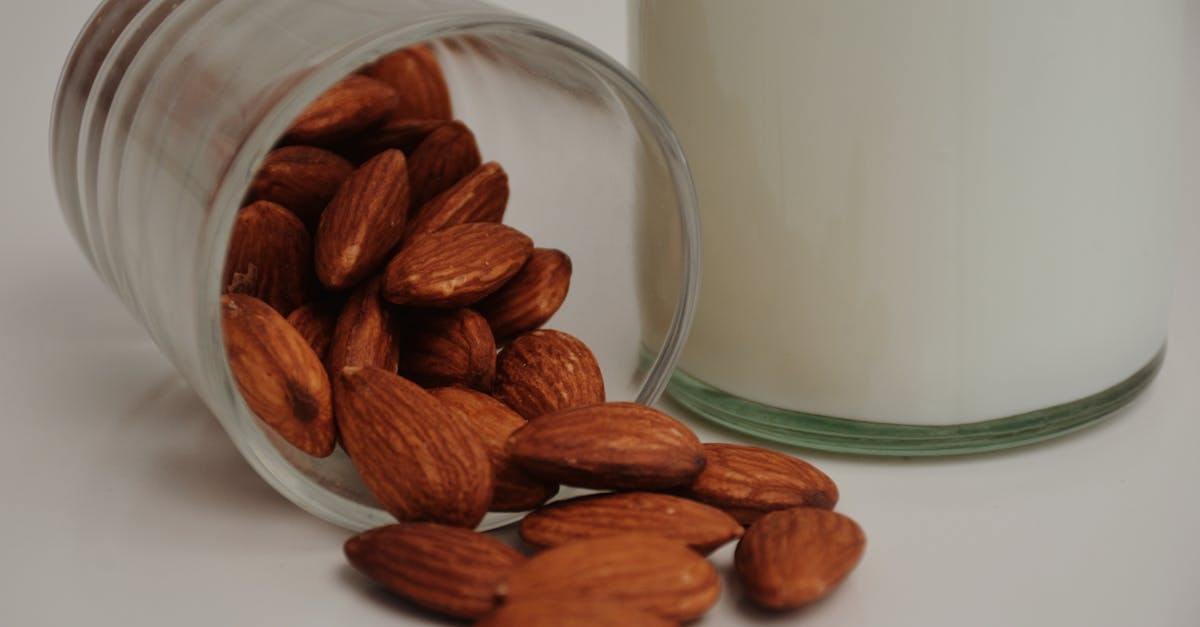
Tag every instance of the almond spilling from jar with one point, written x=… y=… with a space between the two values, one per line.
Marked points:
x=647 y=572
x=793 y=557
x=546 y=371
x=449 y=570
x=280 y=377
x=617 y=446
x=749 y=481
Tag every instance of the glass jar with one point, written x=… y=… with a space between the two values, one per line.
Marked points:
x=166 y=109
x=930 y=227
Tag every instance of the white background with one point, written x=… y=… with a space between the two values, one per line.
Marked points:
x=124 y=503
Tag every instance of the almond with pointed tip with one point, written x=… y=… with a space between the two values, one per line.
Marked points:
x=364 y=222
x=749 y=481
x=481 y=196
x=419 y=460
x=494 y=422
x=417 y=77
x=457 y=266
x=545 y=371
x=449 y=570
x=280 y=377
x=790 y=558
x=648 y=572
x=532 y=297
x=302 y=179
x=270 y=257
x=353 y=105
x=447 y=155
x=366 y=333
x=702 y=527
x=611 y=446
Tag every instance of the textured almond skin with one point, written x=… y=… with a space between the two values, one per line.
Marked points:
x=793 y=557
x=575 y=613
x=457 y=266
x=481 y=196
x=494 y=422
x=546 y=371
x=445 y=157
x=280 y=377
x=353 y=105
x=270 y=257
x=647 y=572
x=702 y=527
x=403 y=134
x=417 y=77
x=749 y=481
x=416 y=457
x=611 y=446
x=448 y=347
x=365 y=334
x=364 y=221
x=532 y=297
x=445 y=569
x=302 y=179
x=316 y=322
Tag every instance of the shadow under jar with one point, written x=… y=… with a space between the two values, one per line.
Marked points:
x=166 y=109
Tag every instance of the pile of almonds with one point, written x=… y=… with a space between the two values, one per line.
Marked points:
x=369 y=284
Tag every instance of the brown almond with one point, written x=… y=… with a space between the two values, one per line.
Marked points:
x=280 y=377
x=353 y=105
x=532 y=297
x=647 y=572
x=448 y=347
x=481 y=196
x=749 y=481
x=494 y=422
x=793 y=557
x=447 y=155
x=545 y=371
x=575 y=613
x=702 y=527
x=316 y=322
x=270 y=257
x=457 y=266
x=417 y=458
x=611 y=446
x=445 y=569
x=364 y=221
x=302 y=179
x=403 y=134
x=366 y=333
x=416 y=75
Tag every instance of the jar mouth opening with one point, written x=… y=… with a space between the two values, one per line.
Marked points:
x=263 y=450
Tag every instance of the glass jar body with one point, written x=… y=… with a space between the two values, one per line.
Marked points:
x=166 y=109
x=930 y=227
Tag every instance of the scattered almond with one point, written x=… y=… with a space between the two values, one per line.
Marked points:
x=302 y=179
x=448 y=347
x=545 y=371
x=270 y=257
x=353 y=105
x=749 y=481
x=457 y=266
x=532 y=297
x=793 y=557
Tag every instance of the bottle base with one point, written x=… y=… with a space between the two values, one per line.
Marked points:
x=842 y=435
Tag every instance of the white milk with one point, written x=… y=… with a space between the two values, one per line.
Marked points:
x=926 y=212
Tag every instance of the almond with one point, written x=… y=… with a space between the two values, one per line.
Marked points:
x=416 y=75
x=444 y=158
x=270 y=257
x=749 y=481
x=532 y=297
x=702 y=527
x=280 y=377
x=416 y=457
x=546 y=371
x=445 y=569
x=618 y=446
x=301 y=178
x=575 y=613
x=403 y=134
x=364 y=221
x=353 y=105
x=481 y=196
x=494 y=422
x=316 y=322
x=457 y=266
x=793 y=557
x=647 y=572
x=448 y=347
x=365 y=334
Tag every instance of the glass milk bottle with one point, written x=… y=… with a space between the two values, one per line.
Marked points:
x=930 y=226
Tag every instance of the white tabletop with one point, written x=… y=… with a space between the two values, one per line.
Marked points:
x=125 y=504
